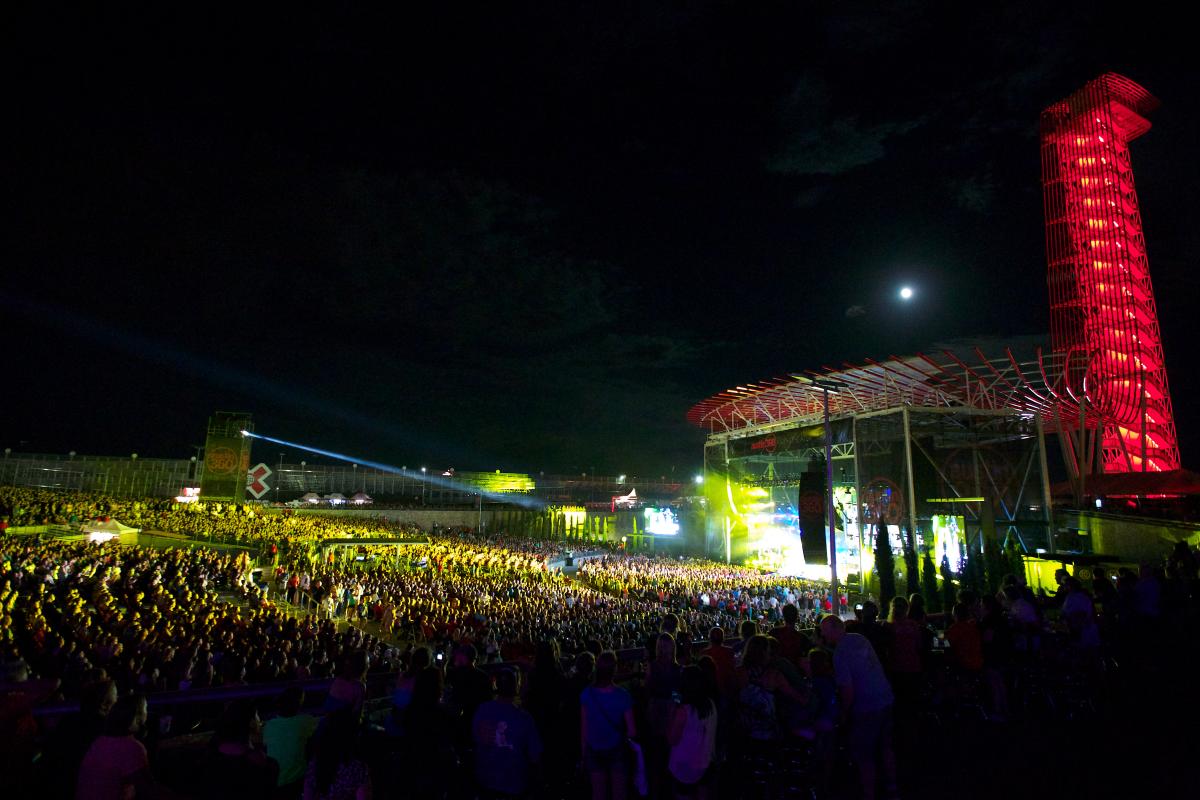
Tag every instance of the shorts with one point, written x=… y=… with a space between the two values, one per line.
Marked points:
x=868 y=733
x=614 y=759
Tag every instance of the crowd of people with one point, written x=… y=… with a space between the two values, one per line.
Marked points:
x=508 y=678
x=682 y=583
x=241 y=524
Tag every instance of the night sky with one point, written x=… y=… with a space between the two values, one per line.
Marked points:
x=530 y=237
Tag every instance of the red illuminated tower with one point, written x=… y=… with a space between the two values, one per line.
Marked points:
x=1101 y=301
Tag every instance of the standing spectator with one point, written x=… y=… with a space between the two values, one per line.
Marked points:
x=723 y=658
x=865 y=703
x=116 y=766
x=507 y=745
x=606 y=723
x=1079 y=613
x=238 y=766
x=692 y=737
x=349 y=688
x=867 y=623
x=758 y=684
x=793 y=645
x=428 y=737
x=75 y=735
x=286 y=737
x=468 y=687
x=579 y=679
x=335 y=772
x=966 y=642
x=545 y=694
x=907 y=658
x=662 y=687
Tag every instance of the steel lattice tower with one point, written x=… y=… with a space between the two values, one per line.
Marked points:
x=1101 y=300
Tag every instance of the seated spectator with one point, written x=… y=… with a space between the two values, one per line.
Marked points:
x=286 y=737
x=507 y=744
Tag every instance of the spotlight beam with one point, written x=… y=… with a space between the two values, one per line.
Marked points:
x=433 y=480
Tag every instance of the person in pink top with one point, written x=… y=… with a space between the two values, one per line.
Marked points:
x=116 y=766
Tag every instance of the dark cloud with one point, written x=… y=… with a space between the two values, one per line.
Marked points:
x=817 y=142
x=855 y=311
x=976 y=193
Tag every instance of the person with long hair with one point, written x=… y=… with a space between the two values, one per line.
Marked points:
x=418 y=660
x=335 y=772
x=580 y=677
x=428 y=737
x=692 y=736
x=662 y=688
x=544 y=696
x=758 y=683
x=606 y=724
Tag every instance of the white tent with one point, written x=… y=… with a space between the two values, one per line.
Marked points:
x=335 y=499
x=311 y=497
x=361 y=499
x=108 y=530
x=626 y=500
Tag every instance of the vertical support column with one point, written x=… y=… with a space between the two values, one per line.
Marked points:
x=1041 y=439
x=912 y=492
x=835 y=594
x=862 y=584
x=728 y=522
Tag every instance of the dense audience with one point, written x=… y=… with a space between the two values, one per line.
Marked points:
x=230 y=523
x=507 y=678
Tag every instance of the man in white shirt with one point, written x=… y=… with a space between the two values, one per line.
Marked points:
x=865 y=702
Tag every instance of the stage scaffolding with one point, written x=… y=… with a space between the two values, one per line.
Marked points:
x=922 y=443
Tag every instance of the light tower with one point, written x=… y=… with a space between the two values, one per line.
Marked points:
x=1101 y=300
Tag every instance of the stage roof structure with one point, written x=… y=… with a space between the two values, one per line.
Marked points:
x=1043 y=384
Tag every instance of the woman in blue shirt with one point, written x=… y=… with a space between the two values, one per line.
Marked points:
x=606 y=712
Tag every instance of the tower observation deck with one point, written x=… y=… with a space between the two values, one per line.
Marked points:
x=1101 y=299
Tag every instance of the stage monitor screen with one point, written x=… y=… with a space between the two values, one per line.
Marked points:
x=947 y=532
x=661 y=521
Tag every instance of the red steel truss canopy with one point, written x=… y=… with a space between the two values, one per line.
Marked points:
x=1101 y=299
x=1039 y=386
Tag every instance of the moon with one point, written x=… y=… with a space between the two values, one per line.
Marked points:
x=906 y=293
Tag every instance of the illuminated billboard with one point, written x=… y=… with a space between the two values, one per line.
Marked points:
x=947 y=533
x=661 y=521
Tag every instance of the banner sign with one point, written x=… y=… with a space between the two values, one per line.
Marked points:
x=256 y=481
